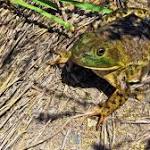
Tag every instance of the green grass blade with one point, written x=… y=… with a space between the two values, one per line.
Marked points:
x=58 y=20
x=46 y=3
x=89 y=6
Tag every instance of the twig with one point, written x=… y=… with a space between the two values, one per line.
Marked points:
x=113 y=131
x=7 y=118
x=64 y=141
x=40 y=132
x=12 y=129
x=136 y=122
x=5 y=84
x=143 y=137
x=109 y=135
x=13 y=47
x=4 y=109
x=21 y=132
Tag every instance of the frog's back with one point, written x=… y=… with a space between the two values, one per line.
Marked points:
x=131 y=35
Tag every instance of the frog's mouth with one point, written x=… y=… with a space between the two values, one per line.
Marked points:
x=96 y=64
x=102 y=69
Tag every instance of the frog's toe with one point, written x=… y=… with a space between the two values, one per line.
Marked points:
x=101 y=114
x=100 y=121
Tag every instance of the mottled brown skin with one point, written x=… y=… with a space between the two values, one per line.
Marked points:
x=119 y=53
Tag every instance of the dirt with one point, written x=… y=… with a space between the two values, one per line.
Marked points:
x=38 y=101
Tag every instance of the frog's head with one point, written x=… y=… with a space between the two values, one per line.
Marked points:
x=97 y=52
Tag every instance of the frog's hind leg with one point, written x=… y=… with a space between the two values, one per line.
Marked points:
x=116 y=99
x=113 y=103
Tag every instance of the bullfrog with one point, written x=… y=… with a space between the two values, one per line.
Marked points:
x=118 y=52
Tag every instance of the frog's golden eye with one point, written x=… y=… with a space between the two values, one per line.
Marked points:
x=100 y=51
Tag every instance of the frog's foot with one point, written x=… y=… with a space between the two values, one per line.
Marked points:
x=104 y=110
x=62 y=58
x=100 y=112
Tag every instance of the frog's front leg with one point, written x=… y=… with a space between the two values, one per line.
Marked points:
x=62 y=58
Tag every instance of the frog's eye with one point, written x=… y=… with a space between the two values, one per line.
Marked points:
x=100 y=51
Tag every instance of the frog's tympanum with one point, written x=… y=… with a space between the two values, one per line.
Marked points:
x=118 y=52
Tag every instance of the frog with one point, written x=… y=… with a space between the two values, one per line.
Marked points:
x=119 y=53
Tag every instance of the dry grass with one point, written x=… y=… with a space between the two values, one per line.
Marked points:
x=38 y=101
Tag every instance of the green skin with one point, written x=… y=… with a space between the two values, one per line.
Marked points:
x=119 y=61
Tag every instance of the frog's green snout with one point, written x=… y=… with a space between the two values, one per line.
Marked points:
x=97 y=59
